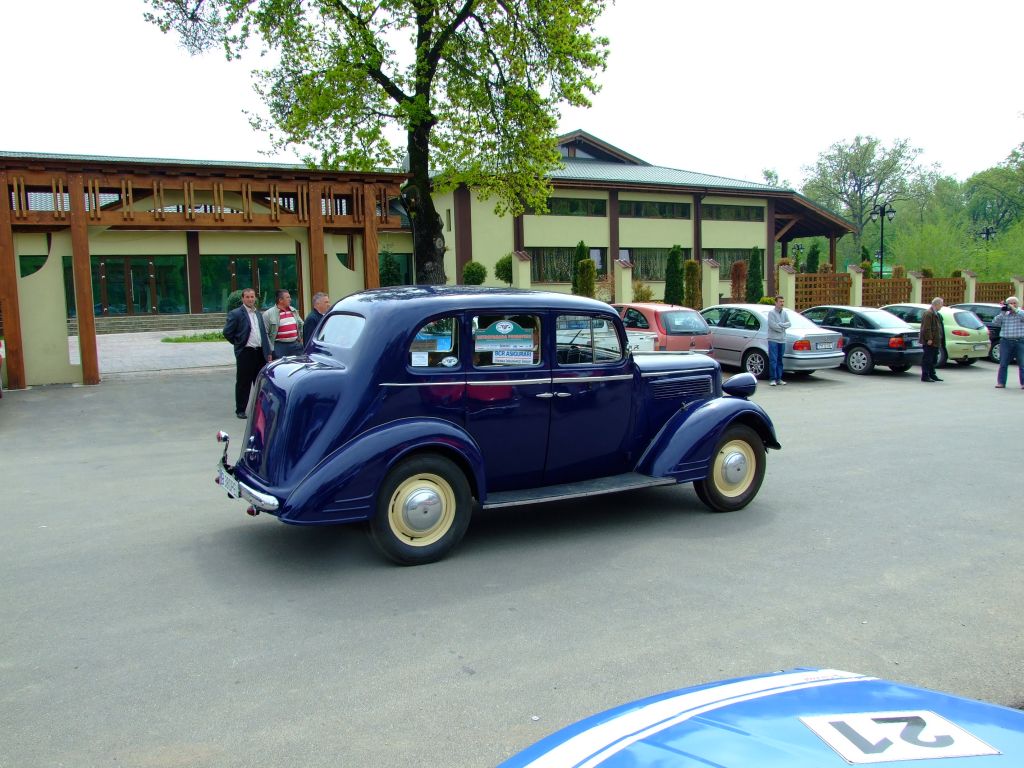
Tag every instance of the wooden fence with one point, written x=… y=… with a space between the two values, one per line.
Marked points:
x=994 y=292
x=821 y=288
x=953 y=290
x=878 y=293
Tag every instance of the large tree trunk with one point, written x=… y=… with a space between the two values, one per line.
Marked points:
x=427 y=229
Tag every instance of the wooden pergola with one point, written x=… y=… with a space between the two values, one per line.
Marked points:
x=50 y=193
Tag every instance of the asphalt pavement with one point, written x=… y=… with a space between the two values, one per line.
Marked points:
x=149 y=622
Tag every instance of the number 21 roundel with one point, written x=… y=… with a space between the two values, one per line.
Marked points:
x=879 y=737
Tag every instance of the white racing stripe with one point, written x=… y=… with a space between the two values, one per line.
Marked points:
x=593 y=746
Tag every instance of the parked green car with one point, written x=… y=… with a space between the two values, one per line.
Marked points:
x=966 y=336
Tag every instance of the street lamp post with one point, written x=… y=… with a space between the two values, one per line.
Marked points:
x=883 y=212
x=987 y=233
x=797 y=250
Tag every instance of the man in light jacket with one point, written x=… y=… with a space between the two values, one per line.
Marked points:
x=778 y=322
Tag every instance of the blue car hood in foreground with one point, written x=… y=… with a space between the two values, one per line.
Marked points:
x=805 y=718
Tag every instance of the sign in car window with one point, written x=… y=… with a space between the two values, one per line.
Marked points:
x=436 y=344
x=506 y=340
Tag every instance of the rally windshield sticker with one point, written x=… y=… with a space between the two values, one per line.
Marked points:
x=501 y=336
x=881 y=737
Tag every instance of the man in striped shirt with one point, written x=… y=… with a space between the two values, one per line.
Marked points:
x=284 y=326
x=1011 y=340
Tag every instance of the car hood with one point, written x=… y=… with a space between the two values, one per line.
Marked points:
x=823 y=718
x=668 y=362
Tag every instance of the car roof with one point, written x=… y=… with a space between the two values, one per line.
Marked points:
x=966 y=304
x=654 y=306
x=751 y=307
x=429 y=299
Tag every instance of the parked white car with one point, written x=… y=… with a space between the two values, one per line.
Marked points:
x=740 y=336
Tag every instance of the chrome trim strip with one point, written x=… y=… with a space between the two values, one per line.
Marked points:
x=423 y=384
x=262 y=501
x=506 y=382
x=655 y=374
x=584 y=379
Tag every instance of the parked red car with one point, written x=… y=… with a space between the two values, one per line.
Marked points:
x=679 y=329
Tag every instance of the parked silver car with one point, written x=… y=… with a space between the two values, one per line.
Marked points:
x=740 y=335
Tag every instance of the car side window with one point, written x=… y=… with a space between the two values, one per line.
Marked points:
x=712 y=316
x=506 y=339
x=815 y=315
x=586 y=339
x=634 y=319
x=740 y=318
x=436 y=344
x=845 y=318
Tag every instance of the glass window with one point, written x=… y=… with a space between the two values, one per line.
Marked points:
x=712 y=316
x=436 y=344
x=726 y=257
x=586 y=340
x=554 y=264
x=634 y=319
x=648 y=209
x=576 y=206
x=29 y=265
x=506 y=340
x=713 y=212
x=215 y=280
x=816 y=315
x=683 y=323
x=650 y=263
x=968 y=320
x=341 y=330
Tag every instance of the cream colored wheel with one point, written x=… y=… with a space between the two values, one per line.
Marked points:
x=423 y=510
x=736 y=470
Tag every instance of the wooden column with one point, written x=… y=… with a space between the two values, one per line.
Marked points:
x=613 y=228
x=15 y=353
x=769 y=238
x=832 y=251
x=463 y=230
x=371 y=257
x=317 y=257
x=83 y=281
x=195 y=273
x=698 y=215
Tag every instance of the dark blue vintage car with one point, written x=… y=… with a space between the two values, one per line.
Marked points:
x=412 y=405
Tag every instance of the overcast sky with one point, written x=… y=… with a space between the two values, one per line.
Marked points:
x=727 y=88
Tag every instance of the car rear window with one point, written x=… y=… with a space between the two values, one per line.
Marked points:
x=341 y=330
x=967 y=319
x=683 y=323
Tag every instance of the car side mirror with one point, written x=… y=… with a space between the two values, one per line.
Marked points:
x=741 y=385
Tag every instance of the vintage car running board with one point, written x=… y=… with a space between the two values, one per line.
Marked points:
x=624 y=482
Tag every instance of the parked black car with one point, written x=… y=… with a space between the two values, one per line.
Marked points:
x=986 y=312
x=870 y=337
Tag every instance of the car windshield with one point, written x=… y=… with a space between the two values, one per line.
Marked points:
x=967 y=319
x=341 y=330
x=683 y=322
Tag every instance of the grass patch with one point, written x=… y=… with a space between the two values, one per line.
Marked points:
x=195 y=337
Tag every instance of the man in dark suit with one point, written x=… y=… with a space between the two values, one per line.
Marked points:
x=321 y=303
x=245 y=330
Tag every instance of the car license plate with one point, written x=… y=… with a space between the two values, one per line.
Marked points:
x=227 y=481
x=912 y=342
x=980 y=347
x=824 y=345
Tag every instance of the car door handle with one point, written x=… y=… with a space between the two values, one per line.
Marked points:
x=545 y=395
x=563 y=394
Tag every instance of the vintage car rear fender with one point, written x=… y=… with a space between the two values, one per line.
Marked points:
x=682 y=449
x=342 y=488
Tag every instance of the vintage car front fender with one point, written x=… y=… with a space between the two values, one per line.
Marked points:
x=342 y=488
x=683 y=447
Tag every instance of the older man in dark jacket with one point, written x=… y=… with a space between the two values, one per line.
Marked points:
x=245 y=330
x=933 y=337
